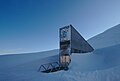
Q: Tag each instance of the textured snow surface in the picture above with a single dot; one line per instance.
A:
(109, 37)
(103, 64)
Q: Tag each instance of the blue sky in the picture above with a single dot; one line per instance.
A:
(32, 25)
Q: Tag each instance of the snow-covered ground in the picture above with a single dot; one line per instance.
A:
(103, 64)
(108, 38)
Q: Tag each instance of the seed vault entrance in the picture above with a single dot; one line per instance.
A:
(71, 42)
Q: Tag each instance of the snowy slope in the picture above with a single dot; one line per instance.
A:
(100, 59)
(101, 65)
(109, 37)
(13, 60)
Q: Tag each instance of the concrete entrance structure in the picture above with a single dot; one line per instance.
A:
(71, 42)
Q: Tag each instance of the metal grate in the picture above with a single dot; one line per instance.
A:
(50, 67)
